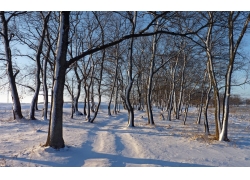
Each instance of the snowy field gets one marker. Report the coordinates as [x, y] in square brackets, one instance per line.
[109, 143]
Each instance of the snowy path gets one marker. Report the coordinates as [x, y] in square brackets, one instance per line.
[108, 142]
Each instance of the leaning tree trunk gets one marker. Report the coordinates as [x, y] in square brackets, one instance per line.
[216, 99]
[55, 138]
[17, 112]
[99, 88]
[212, 79]
[33, 105]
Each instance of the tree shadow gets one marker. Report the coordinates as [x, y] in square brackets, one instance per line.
[119, 160]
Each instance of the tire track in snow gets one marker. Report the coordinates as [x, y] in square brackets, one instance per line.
[104, 142]
[128, 146]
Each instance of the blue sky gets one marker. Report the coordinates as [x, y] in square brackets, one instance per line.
[242, 90]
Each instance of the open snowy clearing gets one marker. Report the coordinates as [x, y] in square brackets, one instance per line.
[109, 143]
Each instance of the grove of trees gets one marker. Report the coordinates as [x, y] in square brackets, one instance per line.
[171, 60]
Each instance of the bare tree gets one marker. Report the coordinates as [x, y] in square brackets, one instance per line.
[233, 47]
[130, 76]
[55, 136]
[38, 66]
[7, 36]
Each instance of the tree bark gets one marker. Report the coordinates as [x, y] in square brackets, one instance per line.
[76, 99]
[232, 53]
[170, 107]
[45, 87]
[201, 100]
[181, 88]
[212, 77]
[206, 126]
[17, 111]
[56, 130]
[38, 70]
[150, 80]
[130, 78]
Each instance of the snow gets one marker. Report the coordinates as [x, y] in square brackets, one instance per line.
[108, 142]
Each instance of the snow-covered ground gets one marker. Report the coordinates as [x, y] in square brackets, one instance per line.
[109, 143]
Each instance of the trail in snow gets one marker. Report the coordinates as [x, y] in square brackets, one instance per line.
[109, 142]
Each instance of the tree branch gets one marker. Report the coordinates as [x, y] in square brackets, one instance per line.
[98, 48]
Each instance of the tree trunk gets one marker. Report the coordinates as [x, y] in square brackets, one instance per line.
[150, 80]
[232, 53]
[130, 78]
[201, 100]
[115, 99]
[139, 93]
[33, 105]
[45, 88]
[170, 103]
[206, 126]
[17, 112]
[38, 83]
[181, 88]
[76, 99]
[212, 78]
[99, 89]
[85, 99]
[88, 118]
[72, 99]
[185, 113]
[92, 96]
[56, 123]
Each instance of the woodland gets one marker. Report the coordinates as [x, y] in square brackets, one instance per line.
[134, 60]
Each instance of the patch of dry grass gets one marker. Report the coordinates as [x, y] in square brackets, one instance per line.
[209, 139]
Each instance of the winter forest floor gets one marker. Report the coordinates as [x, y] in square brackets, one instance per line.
[109, 143]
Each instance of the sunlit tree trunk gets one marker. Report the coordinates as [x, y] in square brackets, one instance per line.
[181, 88]
[170, 103]
[55, 138]
[150, 79]
[212, 78]
[232, 53]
